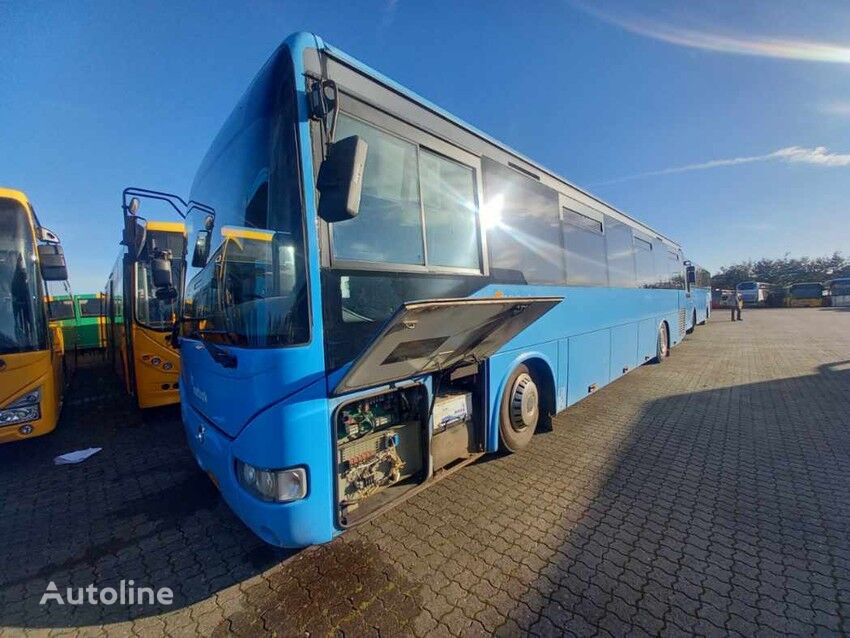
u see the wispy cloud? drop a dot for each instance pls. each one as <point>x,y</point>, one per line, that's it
<point>836,108</point>
<point>765,46</point>
<point>820,156</point>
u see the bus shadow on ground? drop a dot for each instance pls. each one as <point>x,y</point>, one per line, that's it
<point>138,510</point>
<point>726,510</point>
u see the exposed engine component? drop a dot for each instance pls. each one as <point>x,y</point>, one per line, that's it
<point>450,409</point>
<point>370,415</point>
<point>379,444</point>
<point>368,465</point>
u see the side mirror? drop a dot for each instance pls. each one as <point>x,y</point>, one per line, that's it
<point>51,258</point>
<point>47,235</point>
<point>166,294</point>
<point>161,271</point>
<point>692,275</point>
<point>340,179</point>
<point>202,249</point>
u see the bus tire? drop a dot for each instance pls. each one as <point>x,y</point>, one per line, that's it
<point>519,413</point>
<point>702,323</point>
<point>693,323</point>
<point>662,344</point>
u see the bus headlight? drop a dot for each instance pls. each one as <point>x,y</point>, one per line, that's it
<point>26,408</point>
<point>281,486</point>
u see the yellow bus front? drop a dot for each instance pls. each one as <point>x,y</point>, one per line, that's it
<point>156,365</point>
<point>31,351</point>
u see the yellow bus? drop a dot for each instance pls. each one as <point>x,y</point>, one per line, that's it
<point>31,347</point>
<point>138,319</point>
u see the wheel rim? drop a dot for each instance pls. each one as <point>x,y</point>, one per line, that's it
<point>524,400</point>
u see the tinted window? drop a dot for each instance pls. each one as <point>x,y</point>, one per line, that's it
<point>61,309</point>
<point>150,311</point>
<point>448,199</point>
<point>582,221</point>
<point>388,228</point>
<point>621,254</point>
<point>644,263</point>
<point>91,307</point>
<point>521,216</point>
<point>21,292</point>
<point>662,270</point>
<point>807,291</point>
<point>585,249</point>
<point>675,270</point>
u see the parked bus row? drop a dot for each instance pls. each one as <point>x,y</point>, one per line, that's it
<point>808,294</point>
<point>363,292</point>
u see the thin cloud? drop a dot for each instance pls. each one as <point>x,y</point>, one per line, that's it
<point>771,47</point>
<point>819,156</point>
<point>836,108</point>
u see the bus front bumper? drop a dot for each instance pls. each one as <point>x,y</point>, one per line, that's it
<point>299,523</point>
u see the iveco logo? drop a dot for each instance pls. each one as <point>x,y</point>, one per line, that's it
<point>200,395</point>
<point>202,433</point>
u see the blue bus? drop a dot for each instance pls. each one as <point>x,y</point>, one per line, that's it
<point>698,295</point>
<point>379,294</point>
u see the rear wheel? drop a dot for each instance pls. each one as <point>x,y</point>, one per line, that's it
<point>662,346</point>
<point>520,409</point>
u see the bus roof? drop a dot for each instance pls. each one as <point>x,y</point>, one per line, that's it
<point>168,227</point>
<point>11,193</point>
<point>302,40</point>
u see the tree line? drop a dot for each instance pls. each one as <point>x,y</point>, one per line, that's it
<point>783,272</point>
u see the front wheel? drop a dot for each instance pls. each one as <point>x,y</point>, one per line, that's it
<point>520,410</point>
<point>662,346</point>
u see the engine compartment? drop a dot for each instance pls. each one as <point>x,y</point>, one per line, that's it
<point>391,442</point>
<point>381,447</point>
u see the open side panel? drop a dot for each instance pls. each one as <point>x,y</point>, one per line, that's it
<point>427,336</point>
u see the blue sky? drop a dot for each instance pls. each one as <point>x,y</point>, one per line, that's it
<point>726,126</point>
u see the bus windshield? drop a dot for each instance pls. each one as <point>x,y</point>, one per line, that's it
<point>806,291</point>
<point>151,312</point>
<point>21,314</point>
<point>840,287</point>
<point>91,307</point>
<point>747,285</point>
<point>253,289</point>
<point>61,309</point>
<point>250,292</point>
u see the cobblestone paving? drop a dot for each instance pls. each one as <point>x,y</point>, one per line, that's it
<point>707,495</point>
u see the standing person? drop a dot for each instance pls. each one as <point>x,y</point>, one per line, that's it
<point>737,306</point>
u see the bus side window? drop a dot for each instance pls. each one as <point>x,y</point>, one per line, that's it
<point>584,243</point>
<point>621,253</point>
<point>644,263</point>
<point>523,224</point>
